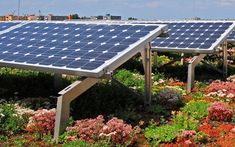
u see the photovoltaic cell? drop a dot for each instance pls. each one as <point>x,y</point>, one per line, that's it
<point>6,25</point>
<point>231,37</point>
<point>193,36</point>
<point>70,46</point>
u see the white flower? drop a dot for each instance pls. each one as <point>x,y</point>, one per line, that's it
<point>161,81</point>
<point>230,95</point>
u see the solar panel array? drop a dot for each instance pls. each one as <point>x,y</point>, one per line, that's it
<point>231,37</point>
<point>70,46</point>
<point>6,25</point>
<point>193,36</point>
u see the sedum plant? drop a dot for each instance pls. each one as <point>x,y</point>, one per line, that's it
<point>93,130</point>
<point>42,122</point>
<point>219,111</point>
<point>169,98</point>
<point>196,109</point>
<point>13,119</point>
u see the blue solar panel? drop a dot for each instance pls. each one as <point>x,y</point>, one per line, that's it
<point>6,25</point>
<point>71,46</point>
<point>231,37</point>
<point>193,36</point>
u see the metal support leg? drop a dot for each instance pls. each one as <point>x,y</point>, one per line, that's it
<point>147,62</point>
<point>191,71</point>
<point>225,60</point>
<point>63,103</point>
<point>182,59</point>
<point>154,58</point>
<point>58,81</point>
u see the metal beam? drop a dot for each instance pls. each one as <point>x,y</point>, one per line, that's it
<point>191,71</point>
<point>58,81</point>
<point>225,59</point>
<point>63,103</point>
<point>146,55</point>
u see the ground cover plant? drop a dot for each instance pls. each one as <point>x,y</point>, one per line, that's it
<point>205,117</point>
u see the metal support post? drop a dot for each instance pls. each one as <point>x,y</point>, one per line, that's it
<point>191,71</point>
<point>182,59</point>
<point>147,62</point>
<point>63,103</point>
<point>225,59</point>
<point>155,58</point>
<point>58,81</point>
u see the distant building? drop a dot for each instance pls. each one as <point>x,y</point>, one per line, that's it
<point>32,17</point>
<point>51,17</point>
<point>2,18</point>
<point>106,17</point>
<point>13,17</point>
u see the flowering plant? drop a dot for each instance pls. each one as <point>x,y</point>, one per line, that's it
<point>169,97</point>
<point>222,89</point>
<point>42,122</point>
<point>220,112</point>
<point>92,130</point>
<point>87,129</point>
<point>118,130</point>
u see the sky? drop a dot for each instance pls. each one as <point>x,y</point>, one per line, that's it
<point>141,9</point>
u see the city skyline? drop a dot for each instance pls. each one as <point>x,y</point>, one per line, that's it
<point>141,9</point>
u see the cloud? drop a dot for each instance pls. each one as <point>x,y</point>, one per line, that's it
<point>152,4</point>
<point>225,2</point>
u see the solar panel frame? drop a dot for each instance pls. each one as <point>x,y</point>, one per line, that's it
<point>112,64</point>
<point>212,49</point>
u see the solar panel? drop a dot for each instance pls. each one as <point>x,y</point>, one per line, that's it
<point>193,36</point>
<point>231,37</point>
<point>77,48</point>
<point>7,25</point>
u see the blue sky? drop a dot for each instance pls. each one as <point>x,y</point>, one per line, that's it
<point>142,9</point>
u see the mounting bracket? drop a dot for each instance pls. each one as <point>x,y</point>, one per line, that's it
<point>191,71</point>
<point>146,55</point>
<point>63,103</point>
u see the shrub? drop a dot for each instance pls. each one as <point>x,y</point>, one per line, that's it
<point>185,121</point>
<point>161,60</point>
<point>93,130</point>
<point>132,80</point>
<point>87,129</point>
<point>216,131</point>
<point>222,89</point>
<point>165,133</point>
<point>42,122</point>
<point>12,119</point>
<point>169,98</point>
<point>118,130</point>
<point>220,112</point>
<point>196,109</point>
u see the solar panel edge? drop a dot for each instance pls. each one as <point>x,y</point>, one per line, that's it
<point>225,35</point>
<point>11,28</point>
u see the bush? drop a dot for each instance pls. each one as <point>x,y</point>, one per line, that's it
<point>169,98</point>
<point>118,130</point>
<point>93,130</point>
<point>220,112</point>
<point>42,122</point>
<point>87,129</point>
<point>12,119</point>
<point>185,121</point>
<point>165,133</point>
<point>196,109</point>
<point>132,80</point>
<point>222,89</point>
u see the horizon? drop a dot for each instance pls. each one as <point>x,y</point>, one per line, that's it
<point>141,9</point>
